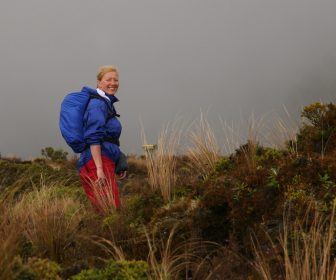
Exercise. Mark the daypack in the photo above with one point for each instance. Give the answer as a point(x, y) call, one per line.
point(72, 112)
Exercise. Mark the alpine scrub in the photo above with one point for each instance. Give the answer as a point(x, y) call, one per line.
point(246, 219)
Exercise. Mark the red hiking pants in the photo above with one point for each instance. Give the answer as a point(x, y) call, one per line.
point(100, 196)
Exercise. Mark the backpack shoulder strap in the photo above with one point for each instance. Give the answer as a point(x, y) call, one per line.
point(111, 110)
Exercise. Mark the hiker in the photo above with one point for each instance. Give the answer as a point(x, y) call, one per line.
point(101, 131)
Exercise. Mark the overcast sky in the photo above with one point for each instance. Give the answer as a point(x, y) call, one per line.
point(229, 58)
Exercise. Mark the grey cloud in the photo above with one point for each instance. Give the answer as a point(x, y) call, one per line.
point(230, 58)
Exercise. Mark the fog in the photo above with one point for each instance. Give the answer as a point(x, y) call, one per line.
point(228, 59)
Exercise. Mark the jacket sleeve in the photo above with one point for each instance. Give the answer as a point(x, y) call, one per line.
point(94, 123)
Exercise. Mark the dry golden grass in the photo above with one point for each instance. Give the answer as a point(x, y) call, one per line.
point(165, 265)
point(283, 133)
point(205, 151)
point(309, 255)
point(110, 247)
point(165, 261)
point(161, 162)
point(52, 222)
point(105, 198)
point(191, 259)
point(270, 130)
point(233, 140)
point(306, 248)
point(11, 227)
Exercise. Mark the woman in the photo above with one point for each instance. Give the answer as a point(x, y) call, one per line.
point(97, 164)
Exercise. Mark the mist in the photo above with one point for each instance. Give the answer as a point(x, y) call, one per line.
point(228, 59)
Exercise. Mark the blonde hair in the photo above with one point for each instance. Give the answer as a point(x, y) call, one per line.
point(106, 69)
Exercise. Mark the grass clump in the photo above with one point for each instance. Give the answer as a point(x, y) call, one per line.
point(205, 151)
point(11, 227)
point(52, 223)
point(161, 162)
point(302, 250)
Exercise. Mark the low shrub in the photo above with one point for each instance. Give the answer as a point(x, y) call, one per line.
point(37, 269)
point(117, 270)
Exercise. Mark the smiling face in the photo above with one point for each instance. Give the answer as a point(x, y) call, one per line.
point(109, 83)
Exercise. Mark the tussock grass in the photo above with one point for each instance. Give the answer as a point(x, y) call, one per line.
point(105, 198)
point(255, 135)
point(167, 264)
point(283, 133)
point(52, 222)
point(205, 151)
point(309, 255)
point(283, 136)
point(11, 227)
point(167, 260)
point(191, 259)
point(231, 137)
point(161, 162)
point(270, 130)
point(110, 246)
point(305, 248)
point(250, 150)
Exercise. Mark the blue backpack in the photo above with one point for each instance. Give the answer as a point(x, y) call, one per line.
point(72, 112)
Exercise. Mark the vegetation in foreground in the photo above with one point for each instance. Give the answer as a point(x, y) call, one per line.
point(258, 213)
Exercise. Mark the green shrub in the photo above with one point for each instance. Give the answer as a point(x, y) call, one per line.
point(318, 135)
point(269, 156)
point(223, 164)
point(36, 269)
point(117, 270)
point(18, 178)
point(51, 154)
point(272, 181)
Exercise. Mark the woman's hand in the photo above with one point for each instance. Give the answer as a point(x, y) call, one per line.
point(101, 178)
point(96, 155)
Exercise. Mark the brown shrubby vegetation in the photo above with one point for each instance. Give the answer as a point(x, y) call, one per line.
point(193, 215)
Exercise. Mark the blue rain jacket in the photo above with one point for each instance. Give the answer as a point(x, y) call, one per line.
point(98, 127)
